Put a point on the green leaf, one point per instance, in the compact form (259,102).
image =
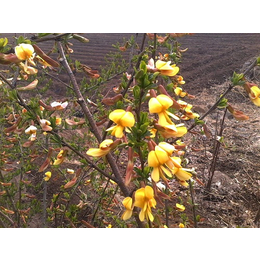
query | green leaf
(143,66)
(3,42)
(258,61)
(223,103)
(198,121)
(237,79)
(139,74)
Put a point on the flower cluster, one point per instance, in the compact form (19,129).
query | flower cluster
(162,159)
(164,164)
(144,199)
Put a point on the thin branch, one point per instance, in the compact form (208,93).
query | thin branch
(64,143)
(216,152)
(49,38)
(89,117)
(7,218)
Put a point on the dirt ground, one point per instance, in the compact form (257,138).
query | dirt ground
(207,67)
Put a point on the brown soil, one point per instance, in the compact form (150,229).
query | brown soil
(207,67)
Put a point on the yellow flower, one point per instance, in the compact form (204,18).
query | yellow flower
(144,199)
(166,69)
(31,130)
(122,119)
(162,162)
(178,91)
(45,125)
(167,148)
(157,159)
(180,80)
(159,105)
(254,95)
(180,207)
(181,225)
(60,157)
(24,51)
(188,114)
(167,131)
(180,173)
(58,121)
(28,69)
(58,105)
(48,176)
(128,204)
(70,171)
(104,148)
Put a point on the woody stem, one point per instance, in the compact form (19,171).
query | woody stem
(84,106)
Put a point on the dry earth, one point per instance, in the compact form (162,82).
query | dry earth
(206,68)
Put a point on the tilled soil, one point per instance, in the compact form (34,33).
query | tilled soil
(207,67)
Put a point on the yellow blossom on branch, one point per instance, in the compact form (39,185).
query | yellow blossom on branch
(180,207)
(24,51)
(254,95)
(104,148)
(122,119)
(45,125)
(157,159)
(181,225)
(144,199)
(159,105)
(31,130)
(166,69)
(60,157)
(167,131)
(128,204)
(161,161)
(59,105)
(186,110)
(47,176)
(182,174)
(163,67)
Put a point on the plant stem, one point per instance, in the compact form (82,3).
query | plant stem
(193,204)
(214,106)
(9,196)
(166,213)
(45,190)
(64,143)
(7,218)
(215,156)
(89,117)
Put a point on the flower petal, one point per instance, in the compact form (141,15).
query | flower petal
(127,202)
(116,115)
(162,156)
(96,152)
(127,214)
(165,101)
(167,147)
(149,193)
(183,175)
(139,198)
(152,159)
(155,106)
(155,175)
(127,119)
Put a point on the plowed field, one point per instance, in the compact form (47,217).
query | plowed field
(206,67)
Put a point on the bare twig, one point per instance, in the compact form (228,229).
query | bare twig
(216,152)
(90,119)
(7,218)
(193,204)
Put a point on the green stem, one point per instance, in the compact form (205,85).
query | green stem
(193,204)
